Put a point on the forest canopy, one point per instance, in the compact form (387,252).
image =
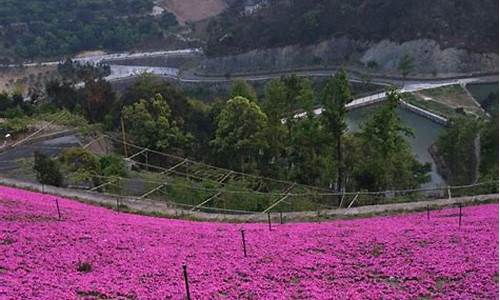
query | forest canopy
(36,28)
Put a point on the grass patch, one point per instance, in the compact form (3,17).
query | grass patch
(453,96)
(431,105)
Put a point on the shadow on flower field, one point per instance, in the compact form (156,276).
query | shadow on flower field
(96,253)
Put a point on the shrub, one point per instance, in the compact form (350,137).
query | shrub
(47,170)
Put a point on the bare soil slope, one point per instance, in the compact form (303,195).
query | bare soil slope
(193,10)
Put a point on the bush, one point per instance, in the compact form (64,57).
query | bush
(112,165)
(372,64)
(47,170)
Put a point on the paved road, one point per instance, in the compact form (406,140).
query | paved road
(111,57)
(119,72)
(408,87)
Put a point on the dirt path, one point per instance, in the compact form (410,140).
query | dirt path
(160,208)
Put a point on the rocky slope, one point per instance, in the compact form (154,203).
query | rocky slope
(444,36)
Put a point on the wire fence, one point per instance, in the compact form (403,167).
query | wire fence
(196,186)
(201,196)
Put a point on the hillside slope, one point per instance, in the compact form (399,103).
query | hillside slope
(54,28)
(193,10)
(443,37)
(470,25)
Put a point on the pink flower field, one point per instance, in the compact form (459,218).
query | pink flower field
(96,253)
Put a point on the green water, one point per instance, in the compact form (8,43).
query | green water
(425,134)
(481,91)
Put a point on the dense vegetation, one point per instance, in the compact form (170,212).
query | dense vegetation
(257,135)
(469,150)
(50,28)
(466,24)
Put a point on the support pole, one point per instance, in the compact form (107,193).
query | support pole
(186,281)
(354,199)
(244,242)
(276,203)
(269,221)
(342,200)
(206,201)
(58,209)
(137,154)
(428,213)
(95,188)
(460,216)
(123,136)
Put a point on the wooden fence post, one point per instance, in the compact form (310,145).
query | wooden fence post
(186,281)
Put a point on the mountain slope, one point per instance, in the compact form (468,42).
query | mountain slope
(469,25)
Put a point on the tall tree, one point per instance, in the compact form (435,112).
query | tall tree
(243,89)
(406,66)
(389,162)
(489,151)
(147,86)
(456,147)
(98,99)
(273,106)
(240,134)
(310,158)
(336,95)
(151,125)
(293,86)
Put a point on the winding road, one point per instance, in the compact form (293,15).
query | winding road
(120,72)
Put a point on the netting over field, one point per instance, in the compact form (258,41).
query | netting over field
(196,186)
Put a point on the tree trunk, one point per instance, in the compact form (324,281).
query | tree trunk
(340,171)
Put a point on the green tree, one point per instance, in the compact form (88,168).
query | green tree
(47,170)
(241,88)
(98,100)
(151,125)
(199,123)
(388,162)
(240,134)
(275,100)
(456,148)
(112,165)
(406,65)
(489,151)
(336,95)
(276,134)
(293,85)
(62,95)
(81,165)
(311,160)
(147,87)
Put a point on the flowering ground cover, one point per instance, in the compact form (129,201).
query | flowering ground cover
(96,253)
